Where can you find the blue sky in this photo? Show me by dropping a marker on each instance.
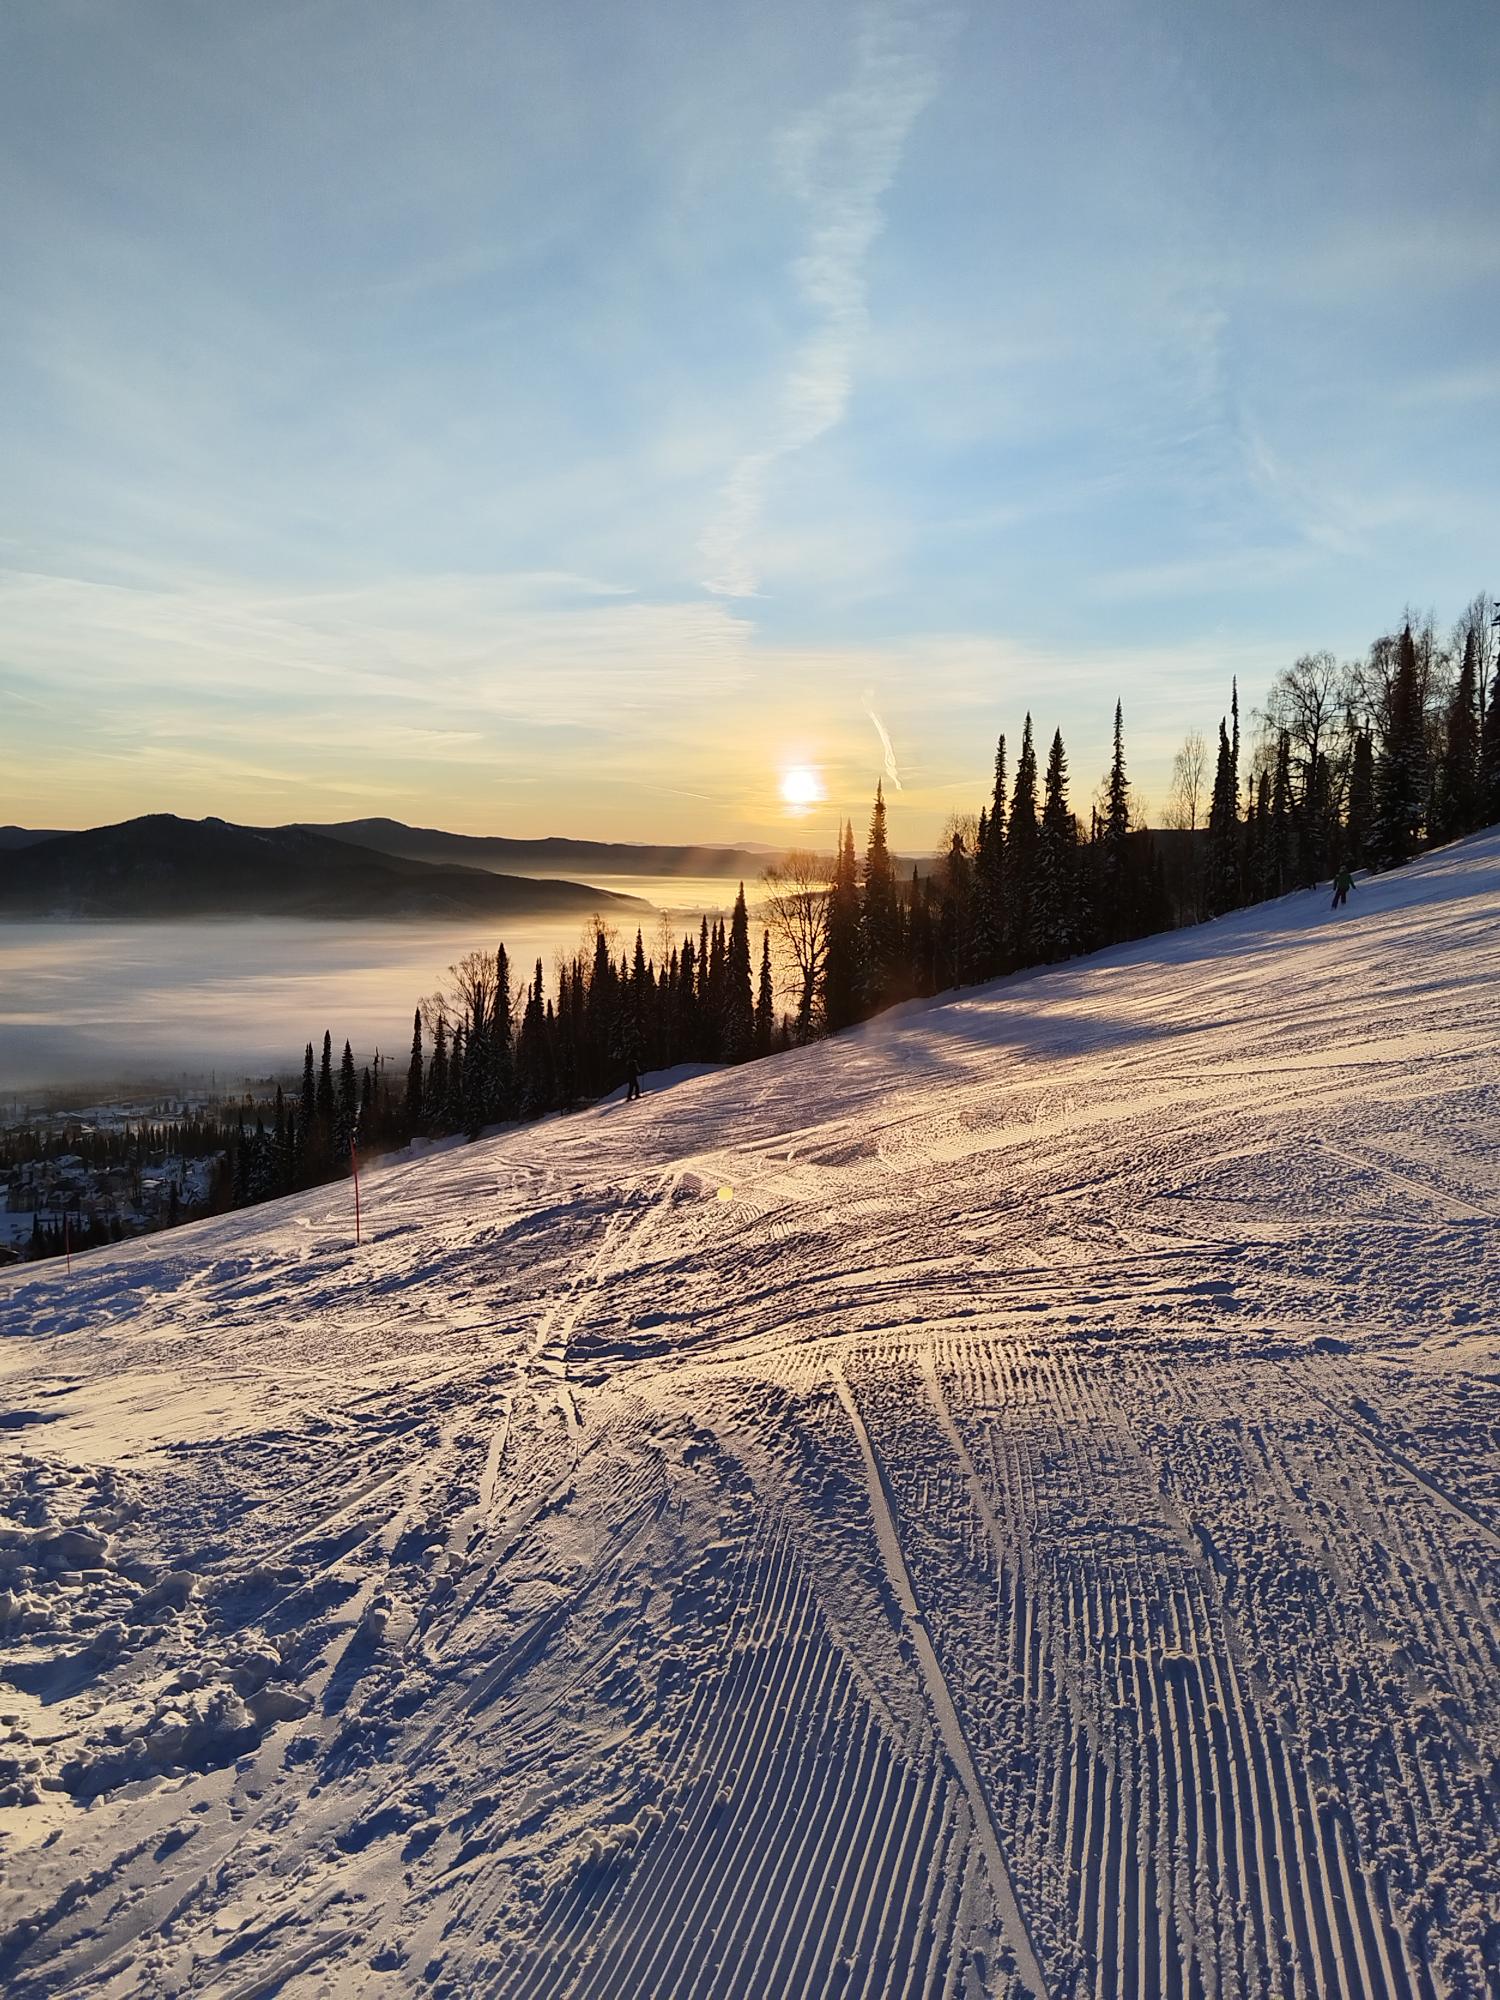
(562, 420)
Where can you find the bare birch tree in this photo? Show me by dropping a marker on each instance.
(796, 909)
(1185, 792)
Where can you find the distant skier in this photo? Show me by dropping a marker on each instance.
(1343, 882)
(633, 1081)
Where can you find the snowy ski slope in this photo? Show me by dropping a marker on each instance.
(1007, 1501)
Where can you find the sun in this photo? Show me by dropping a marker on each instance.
(801, 787)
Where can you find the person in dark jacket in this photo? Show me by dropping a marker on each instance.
(1343, 882)
(633, 1081)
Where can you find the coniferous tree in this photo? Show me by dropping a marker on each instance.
(435, 1096)
(564, 1045)
(920, 931)
(765, 1001)
(1281, 818)
(1116, 829)
(989, 881)
(1456, 790)
(689, 1030)
(1489, 758)
(453, 1098)
(307, 1119)
(879, 929)
(1114, 875)
(843, 980)
(1234, 746)
(1401, 770)
(1021, 854)
(1056, 907)
(240, 1164)
(705, 953)
(325, 1096)
(1258, 841)
(1318, 830)
(282, 1149)
(502, 1081)
(347, 1116)
(531, 1052)
(1224, 832)
(414, 1076)
(476, 1069)
(1359, 827)
(953, 901)
(635, 1007)
(717, 953)
(739, 1002)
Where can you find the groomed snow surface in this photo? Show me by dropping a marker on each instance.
(1006, 1500)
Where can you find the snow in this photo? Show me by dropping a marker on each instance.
(1006, 1500)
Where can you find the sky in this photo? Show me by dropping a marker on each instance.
(568, 420)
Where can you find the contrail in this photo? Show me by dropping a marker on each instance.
(885, 742)
(839, 161)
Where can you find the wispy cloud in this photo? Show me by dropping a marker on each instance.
(839, 161)
(892, 769)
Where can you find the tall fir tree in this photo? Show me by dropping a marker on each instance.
(1359, 820)
(989, 881)
(501, 1092)
(347, 1115)
(1258, 839)
(879, 919)
(533, 1067)
(843, 980)
(1317, 833)
(1056, 908)
(307, 1115)
(414, 1076)
(282, 1145)
(1489, 757)
(920, 931)
(765, 1001)
(689, 1032)
(240, 1163)
(325, 1096)
(1401, 769)
(454, 1115)
(636, 1027)
(1456, 785)
(1224, 832)
(1281, 818)
(1116, 828)
(1021, 853)
(1114, 876)
(955, 895)
(435, 1095)
(739, 999)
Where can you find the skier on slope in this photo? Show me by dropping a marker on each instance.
(1343, 882)
(632, 1080)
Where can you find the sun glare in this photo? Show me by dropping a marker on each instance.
(801, 787)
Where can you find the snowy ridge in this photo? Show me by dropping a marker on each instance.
(1007, 1501)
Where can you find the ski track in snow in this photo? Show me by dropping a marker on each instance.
(1040, 1534)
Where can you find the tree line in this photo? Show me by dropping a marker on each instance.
(1361, 764)
(134, 1146)
(485, 1051)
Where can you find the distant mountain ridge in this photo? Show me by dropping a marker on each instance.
(12, 837)
(160, 866)
(546, 856)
